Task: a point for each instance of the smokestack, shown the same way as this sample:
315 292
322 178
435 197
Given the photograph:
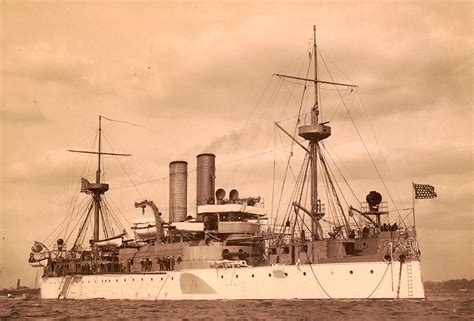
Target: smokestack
206 176
178 191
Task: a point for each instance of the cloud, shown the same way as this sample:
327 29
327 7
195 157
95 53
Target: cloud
24 118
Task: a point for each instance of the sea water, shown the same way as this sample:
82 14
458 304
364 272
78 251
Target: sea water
446 305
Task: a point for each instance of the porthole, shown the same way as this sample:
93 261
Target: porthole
151 279
304 273
253 275
133 280
222 276
269 274
116 280
387 258
351 272
371 271
124 280
172 278
286 274
236 276
161 279
142 279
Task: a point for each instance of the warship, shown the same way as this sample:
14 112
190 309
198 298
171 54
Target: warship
230 249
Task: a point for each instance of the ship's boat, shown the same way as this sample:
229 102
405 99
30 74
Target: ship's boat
319 245
114 241
144 228
38 262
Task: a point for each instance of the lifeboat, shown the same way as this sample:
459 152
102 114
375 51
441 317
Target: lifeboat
115 241
144 228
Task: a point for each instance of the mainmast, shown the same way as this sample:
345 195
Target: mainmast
97 196
314 133
97 189
313 144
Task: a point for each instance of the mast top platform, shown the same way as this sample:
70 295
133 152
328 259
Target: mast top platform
314 133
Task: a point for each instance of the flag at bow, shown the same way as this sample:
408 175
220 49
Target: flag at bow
424 191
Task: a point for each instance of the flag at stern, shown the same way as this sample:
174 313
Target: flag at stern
424 191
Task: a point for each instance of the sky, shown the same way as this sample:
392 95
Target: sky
197 76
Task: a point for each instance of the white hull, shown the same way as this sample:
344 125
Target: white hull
368 280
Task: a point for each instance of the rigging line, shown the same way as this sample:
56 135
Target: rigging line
292 117
299 184
81 207
80 219
290 153
75 193
314 274
305 52
303 179
86 229
123 168
262 121
253 110
58 227
245 136
305 202
363 143
274 171
378 145
112 215
104 221
69 217
323 154
282 186
119 211
217 165
331 206
294 133
333 190
340 172
380 282
84 224
321 53
230 178
339 105
244 183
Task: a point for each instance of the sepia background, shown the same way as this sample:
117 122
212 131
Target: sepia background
193 76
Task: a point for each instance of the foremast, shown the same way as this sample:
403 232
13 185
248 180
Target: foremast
97 189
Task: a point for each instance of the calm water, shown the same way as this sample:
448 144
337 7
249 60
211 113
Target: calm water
439 306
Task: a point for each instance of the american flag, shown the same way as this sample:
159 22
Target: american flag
84 185
424 191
